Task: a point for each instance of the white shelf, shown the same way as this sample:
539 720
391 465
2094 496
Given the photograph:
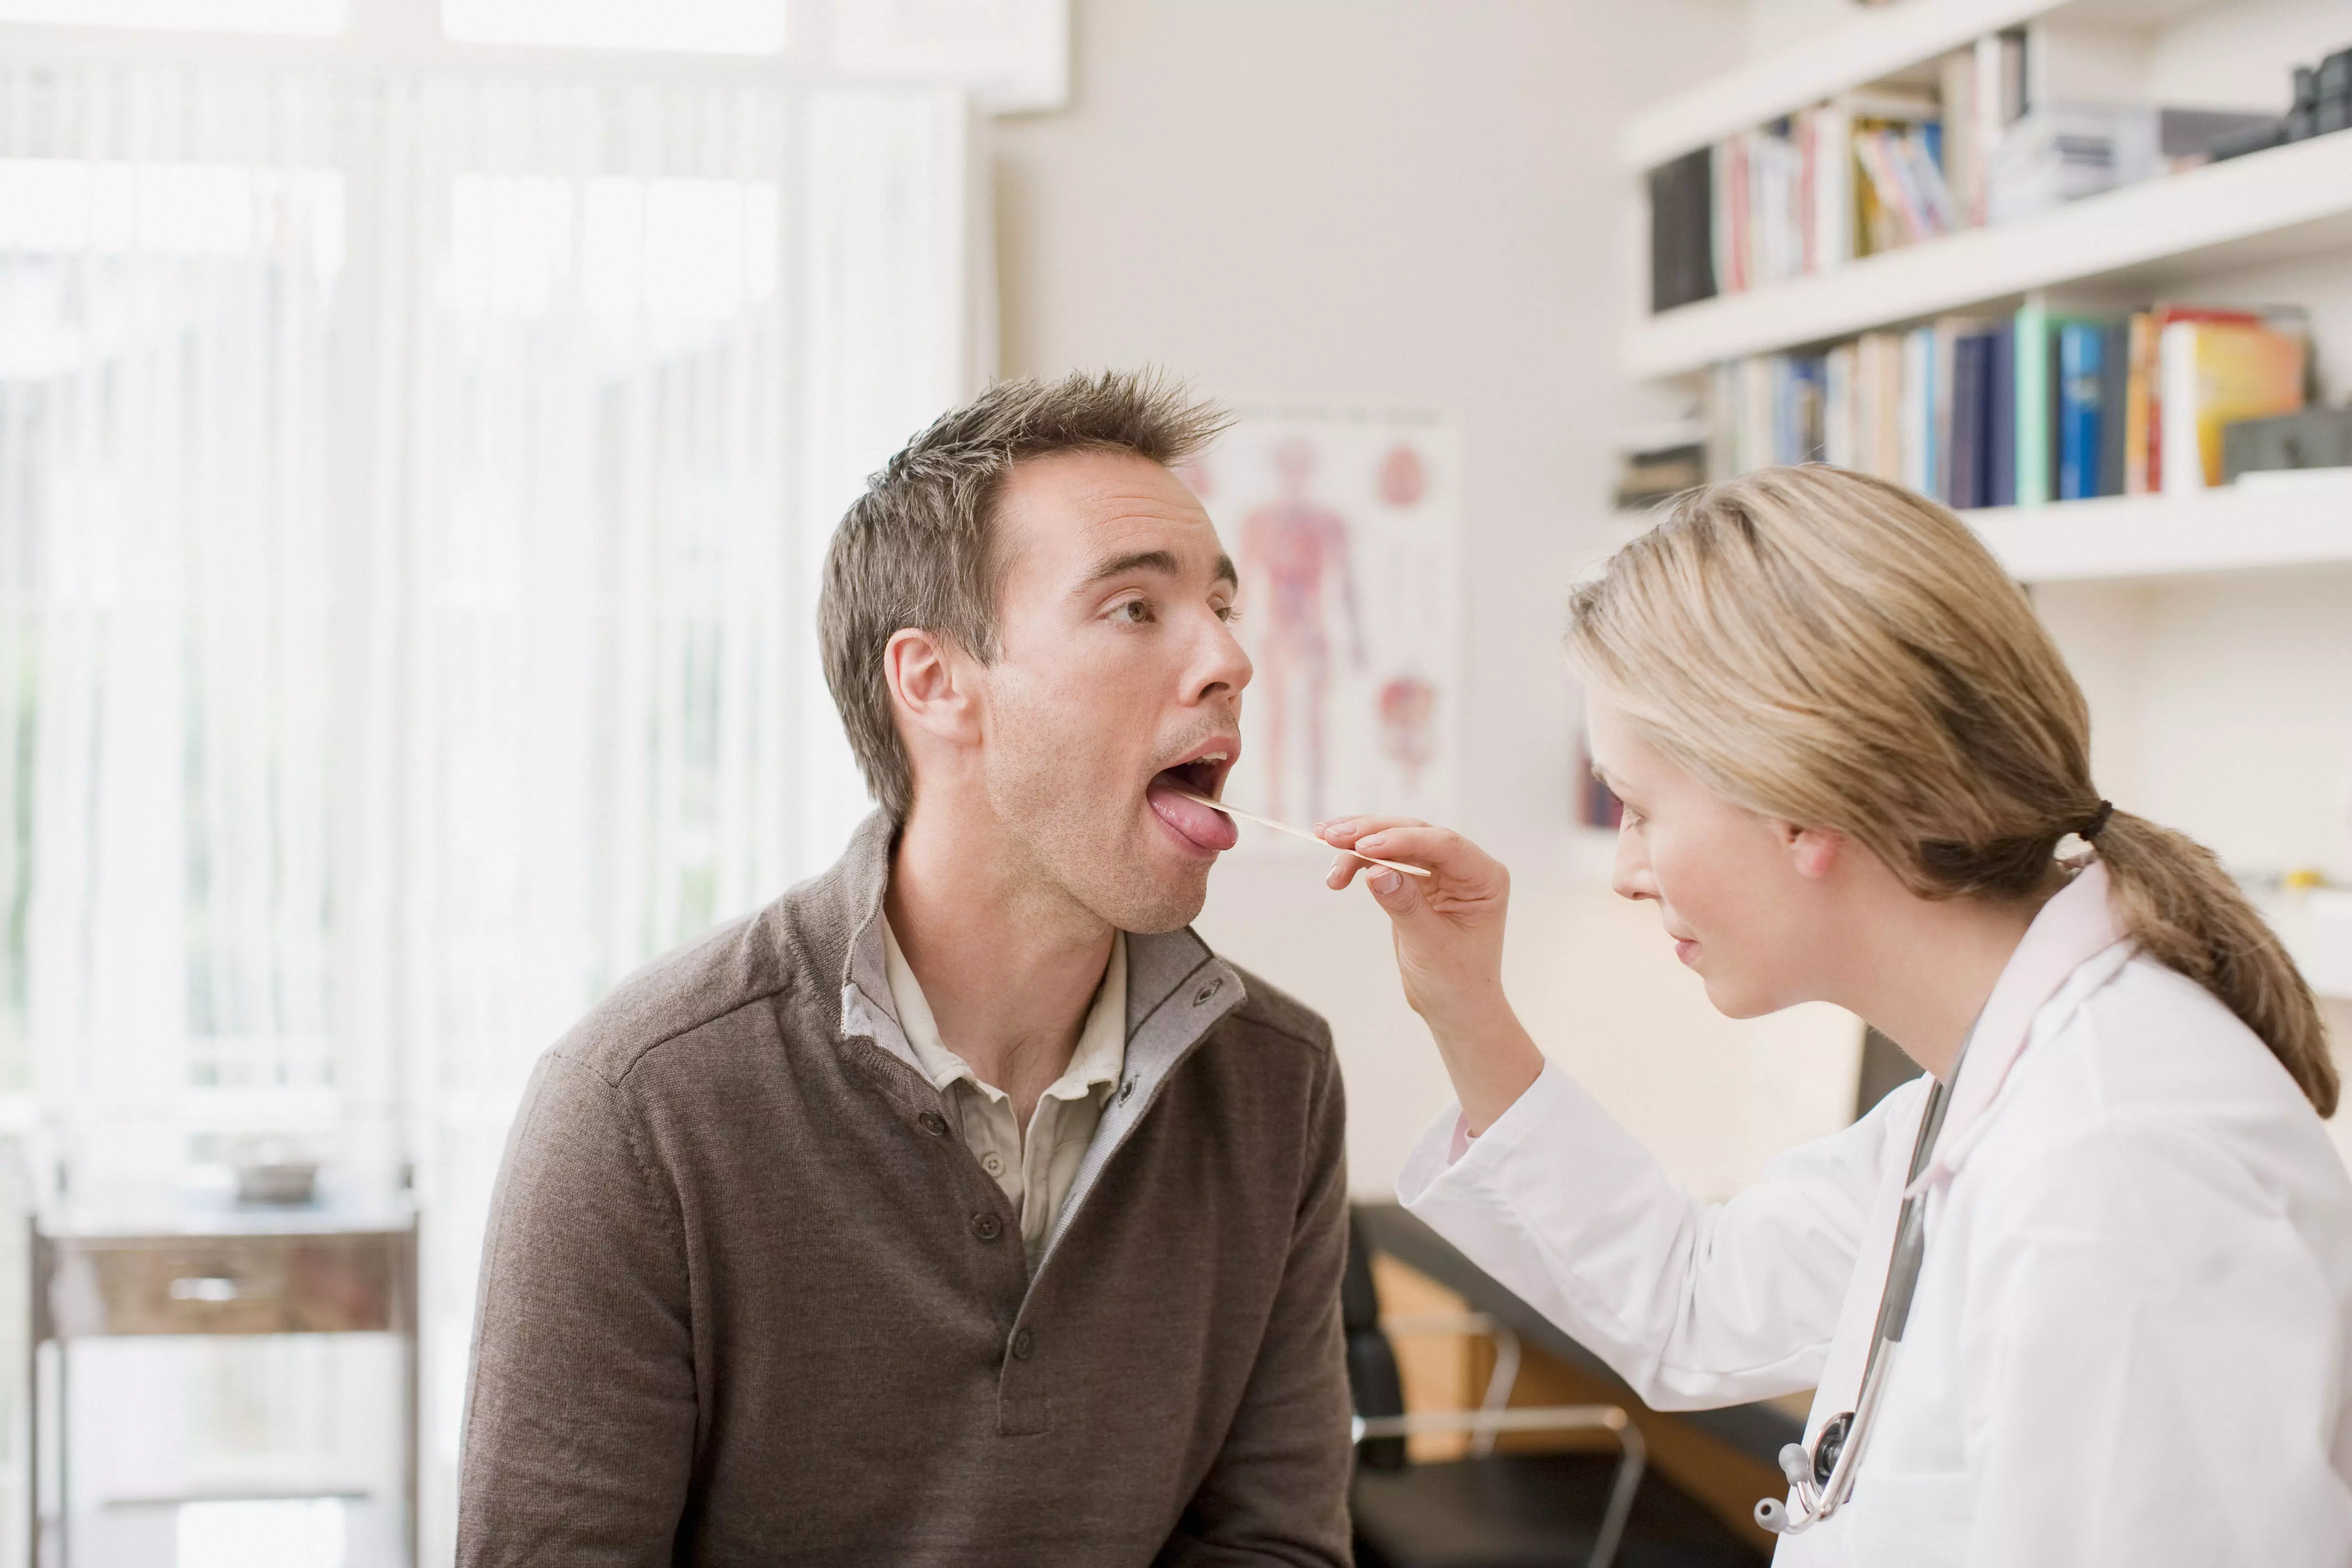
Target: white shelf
2268 526
2316 927
1869 47
2288 201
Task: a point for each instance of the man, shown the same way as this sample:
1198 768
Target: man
961 1207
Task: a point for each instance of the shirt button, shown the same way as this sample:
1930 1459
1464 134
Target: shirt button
992 1164
987 1226
932 1122
1125 1090
1020 1344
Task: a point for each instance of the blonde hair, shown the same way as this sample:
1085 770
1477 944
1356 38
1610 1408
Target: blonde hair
1831 650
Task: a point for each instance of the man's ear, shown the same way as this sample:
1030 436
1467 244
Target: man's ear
1814 851
932 684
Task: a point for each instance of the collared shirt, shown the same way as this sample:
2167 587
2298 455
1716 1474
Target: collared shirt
1037 1171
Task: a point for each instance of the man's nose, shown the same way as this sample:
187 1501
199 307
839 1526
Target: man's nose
1225 666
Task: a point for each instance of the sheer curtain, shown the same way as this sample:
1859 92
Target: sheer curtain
411 492
171 262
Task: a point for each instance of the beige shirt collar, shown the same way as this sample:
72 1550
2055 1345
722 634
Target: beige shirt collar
1099 1057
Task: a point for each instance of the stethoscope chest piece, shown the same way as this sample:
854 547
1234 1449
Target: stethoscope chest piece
1827 1446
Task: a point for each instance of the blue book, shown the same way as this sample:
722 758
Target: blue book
2082 394
2000 420
1970 355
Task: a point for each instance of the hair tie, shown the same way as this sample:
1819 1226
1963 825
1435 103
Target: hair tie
2090 829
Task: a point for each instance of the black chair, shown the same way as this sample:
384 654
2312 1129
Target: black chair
1503 1510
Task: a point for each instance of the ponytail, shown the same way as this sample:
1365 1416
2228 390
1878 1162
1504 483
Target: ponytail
1826 648
2174 899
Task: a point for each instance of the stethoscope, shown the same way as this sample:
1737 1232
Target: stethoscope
1823 1480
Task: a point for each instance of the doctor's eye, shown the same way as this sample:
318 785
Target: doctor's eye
1132 612
1230 614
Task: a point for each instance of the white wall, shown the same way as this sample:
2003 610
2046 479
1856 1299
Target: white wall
1416 201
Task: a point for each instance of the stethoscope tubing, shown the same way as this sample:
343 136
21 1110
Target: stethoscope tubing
1817 1499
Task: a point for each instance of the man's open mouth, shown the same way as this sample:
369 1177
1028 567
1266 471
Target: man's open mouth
1204 773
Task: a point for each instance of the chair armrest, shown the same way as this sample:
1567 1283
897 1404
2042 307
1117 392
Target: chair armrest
1462 1324
1471 1325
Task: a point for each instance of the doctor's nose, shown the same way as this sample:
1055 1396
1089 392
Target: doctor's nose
1628 875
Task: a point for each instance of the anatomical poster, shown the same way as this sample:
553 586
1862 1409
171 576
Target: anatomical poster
1346 525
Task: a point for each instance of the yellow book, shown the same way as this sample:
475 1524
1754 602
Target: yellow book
2139 393
2216 374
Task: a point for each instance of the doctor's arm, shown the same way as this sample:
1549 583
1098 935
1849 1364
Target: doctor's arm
1693 1304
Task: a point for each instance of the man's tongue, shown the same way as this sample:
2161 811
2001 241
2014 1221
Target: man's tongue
1208 828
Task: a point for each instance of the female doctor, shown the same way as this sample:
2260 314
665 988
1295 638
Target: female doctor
1849 759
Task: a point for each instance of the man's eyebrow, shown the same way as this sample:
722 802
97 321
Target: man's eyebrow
1162 561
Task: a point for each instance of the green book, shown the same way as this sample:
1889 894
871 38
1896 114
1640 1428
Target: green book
2036 416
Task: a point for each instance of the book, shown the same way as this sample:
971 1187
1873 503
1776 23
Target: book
2082 393
1951 332
2115 370
1919 410
1963 141
1840 442
2035 366
1681 202
2213 374
2160 317
1964 462
2000 419
1833 188
1728 182
2140 397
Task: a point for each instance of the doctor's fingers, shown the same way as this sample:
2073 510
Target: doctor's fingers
1465 875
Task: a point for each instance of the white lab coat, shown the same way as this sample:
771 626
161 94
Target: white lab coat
2132 1338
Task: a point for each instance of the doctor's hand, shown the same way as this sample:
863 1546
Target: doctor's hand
1448 928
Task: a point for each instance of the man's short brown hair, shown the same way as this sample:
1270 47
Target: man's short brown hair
915 549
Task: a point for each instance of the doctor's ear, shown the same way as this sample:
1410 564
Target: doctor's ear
1814 851
932 683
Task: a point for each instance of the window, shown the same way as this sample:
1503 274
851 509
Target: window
709 27
185 16
408 534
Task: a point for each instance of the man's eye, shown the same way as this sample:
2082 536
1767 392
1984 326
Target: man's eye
1131 611
1230 614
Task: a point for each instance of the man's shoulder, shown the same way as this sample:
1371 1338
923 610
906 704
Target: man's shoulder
1265 1006
726 980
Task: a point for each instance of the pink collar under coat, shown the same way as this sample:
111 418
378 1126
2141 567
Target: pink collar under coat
2075 926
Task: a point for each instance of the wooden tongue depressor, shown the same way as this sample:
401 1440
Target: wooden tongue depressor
1294 832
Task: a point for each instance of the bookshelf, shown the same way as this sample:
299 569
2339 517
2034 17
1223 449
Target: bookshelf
2290 201
2300 523
2303 522
1870 45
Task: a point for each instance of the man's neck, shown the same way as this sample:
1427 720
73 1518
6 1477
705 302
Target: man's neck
1008 962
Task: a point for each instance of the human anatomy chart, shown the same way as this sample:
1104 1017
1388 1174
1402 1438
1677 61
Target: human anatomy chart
1345 523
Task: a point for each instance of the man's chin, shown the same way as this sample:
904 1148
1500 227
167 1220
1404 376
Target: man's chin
1171 906
1162 893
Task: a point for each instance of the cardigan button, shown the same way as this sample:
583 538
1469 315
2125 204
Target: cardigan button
987 1226
932 1122
1021 1343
